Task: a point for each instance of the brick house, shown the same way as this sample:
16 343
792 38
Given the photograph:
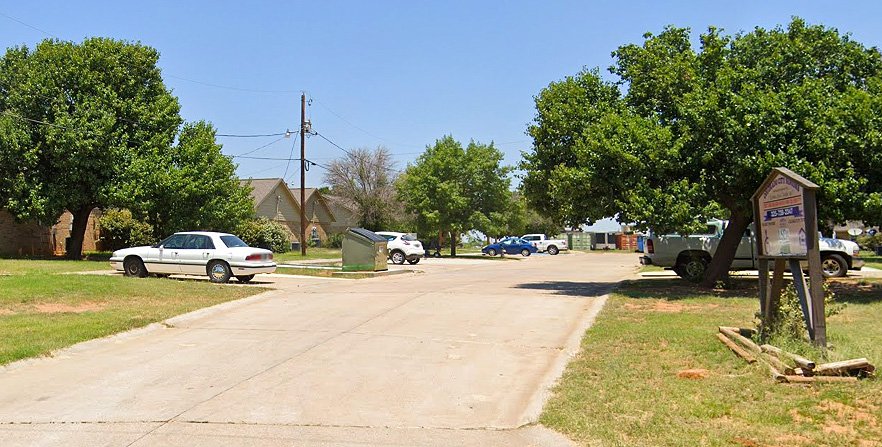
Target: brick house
319 217
344 215
33 239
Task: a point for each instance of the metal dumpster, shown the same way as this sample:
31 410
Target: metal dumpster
364 250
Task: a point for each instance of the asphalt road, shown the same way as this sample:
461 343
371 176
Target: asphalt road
463 353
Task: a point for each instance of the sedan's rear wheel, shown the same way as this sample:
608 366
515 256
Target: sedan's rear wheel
525 252
219 272
397 257
133 266
552 250
244 278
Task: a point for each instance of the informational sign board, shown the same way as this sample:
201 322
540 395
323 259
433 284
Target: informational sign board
782 218
786 216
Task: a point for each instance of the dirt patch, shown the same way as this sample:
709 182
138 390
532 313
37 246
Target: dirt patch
667 307
798 418
746 442
58 308
841 419
694 374
6 312
792 441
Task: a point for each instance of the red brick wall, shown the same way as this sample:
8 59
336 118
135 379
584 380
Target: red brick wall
23 238
29 238
61 231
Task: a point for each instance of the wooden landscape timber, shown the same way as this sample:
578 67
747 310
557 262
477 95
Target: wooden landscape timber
800 361
805 371
741 352
845 368
735 335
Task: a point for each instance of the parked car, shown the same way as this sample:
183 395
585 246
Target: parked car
403 247
544 244
511 246
218 255
688 256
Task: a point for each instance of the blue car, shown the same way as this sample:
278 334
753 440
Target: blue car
510 246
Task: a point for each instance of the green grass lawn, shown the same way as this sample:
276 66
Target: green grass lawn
311 253
623 388
45 307
871 259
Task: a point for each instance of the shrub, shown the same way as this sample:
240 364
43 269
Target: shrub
334 240
870 242
265 233
789 323
120 230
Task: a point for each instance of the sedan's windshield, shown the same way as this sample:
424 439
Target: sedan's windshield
233 241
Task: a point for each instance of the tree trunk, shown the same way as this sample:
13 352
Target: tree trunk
453 238
78 232
725 254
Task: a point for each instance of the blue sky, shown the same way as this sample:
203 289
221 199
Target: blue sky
397 74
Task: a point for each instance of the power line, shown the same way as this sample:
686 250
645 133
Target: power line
229 135
27 25
6 112
258 148
288 164
347 121
226 87
334 144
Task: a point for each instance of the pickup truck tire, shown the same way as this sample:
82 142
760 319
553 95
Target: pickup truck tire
833 265
552 250
691 267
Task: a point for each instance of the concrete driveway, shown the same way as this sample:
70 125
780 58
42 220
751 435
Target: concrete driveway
462 354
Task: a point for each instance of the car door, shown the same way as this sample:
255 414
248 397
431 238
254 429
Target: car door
194 254
510 246
169 251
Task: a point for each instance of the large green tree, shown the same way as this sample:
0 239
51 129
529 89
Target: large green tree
451 189
684 134
191 185
73 118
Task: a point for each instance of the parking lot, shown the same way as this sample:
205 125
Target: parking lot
461 353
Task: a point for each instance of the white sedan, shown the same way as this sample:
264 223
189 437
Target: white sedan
218 255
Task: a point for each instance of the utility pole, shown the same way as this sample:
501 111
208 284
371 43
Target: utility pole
303 131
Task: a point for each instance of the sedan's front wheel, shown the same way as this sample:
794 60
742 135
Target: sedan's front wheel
133 266
491 252
219 272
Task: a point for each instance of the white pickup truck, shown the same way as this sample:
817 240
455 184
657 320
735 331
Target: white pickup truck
542 243
688 256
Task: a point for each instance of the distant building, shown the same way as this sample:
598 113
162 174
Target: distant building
274 200
345 217
319 217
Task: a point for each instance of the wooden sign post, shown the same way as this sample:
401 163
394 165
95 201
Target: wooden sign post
786 216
